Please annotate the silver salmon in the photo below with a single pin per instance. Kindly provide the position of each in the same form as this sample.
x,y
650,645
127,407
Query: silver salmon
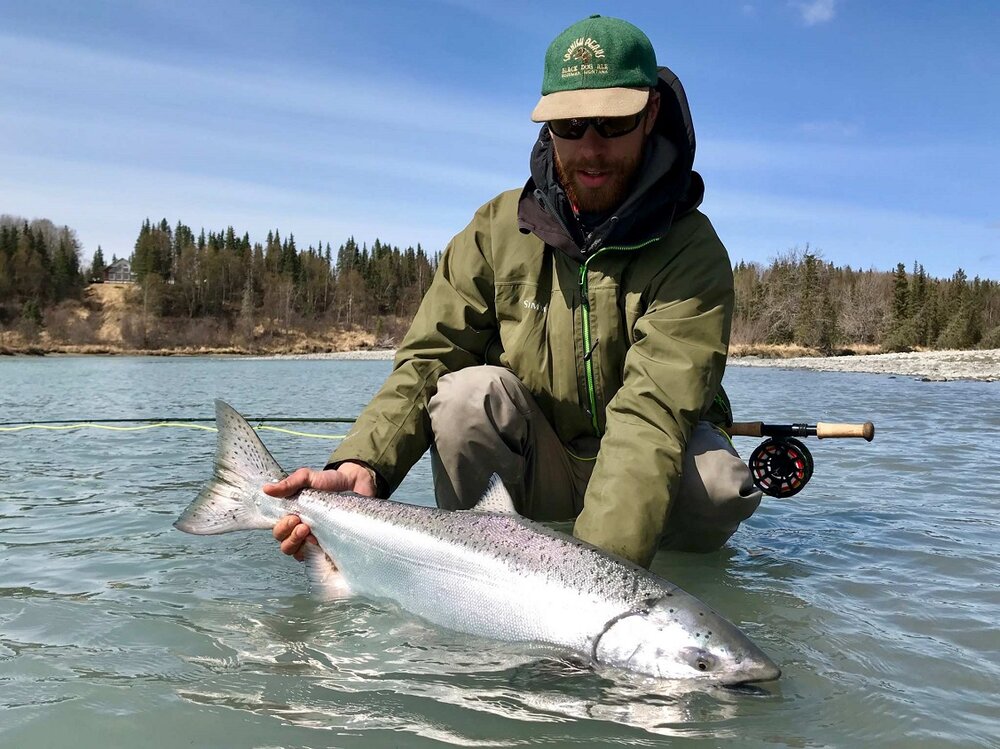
x,y
487,571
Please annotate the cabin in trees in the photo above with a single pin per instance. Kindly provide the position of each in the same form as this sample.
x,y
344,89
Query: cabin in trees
x,y
120,271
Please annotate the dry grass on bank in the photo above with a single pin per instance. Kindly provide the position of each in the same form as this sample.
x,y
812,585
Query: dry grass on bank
x,y
794,351
106,321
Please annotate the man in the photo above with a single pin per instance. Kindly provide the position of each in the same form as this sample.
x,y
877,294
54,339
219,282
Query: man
x,y
575,335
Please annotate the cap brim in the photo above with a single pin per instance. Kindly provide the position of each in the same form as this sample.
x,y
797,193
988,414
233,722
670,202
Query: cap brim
x,y
590,102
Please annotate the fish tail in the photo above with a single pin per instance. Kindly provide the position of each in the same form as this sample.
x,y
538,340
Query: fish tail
x,y
232,500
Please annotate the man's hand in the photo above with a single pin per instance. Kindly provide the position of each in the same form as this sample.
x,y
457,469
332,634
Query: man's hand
x,y
290,531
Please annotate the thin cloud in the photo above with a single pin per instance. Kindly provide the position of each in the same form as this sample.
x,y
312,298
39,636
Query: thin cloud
x,y
816,12
830,129
105,204
755,224
820,157
109,78
213,151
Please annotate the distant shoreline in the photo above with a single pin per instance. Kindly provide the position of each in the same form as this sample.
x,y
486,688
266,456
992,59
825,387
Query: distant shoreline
x,y
932,366
935,366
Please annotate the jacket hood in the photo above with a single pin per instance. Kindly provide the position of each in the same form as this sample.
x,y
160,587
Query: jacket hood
x,y
665,187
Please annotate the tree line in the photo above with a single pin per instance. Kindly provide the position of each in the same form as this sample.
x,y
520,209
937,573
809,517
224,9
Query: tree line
x,y
39,267
228,288
802,300
219,286
276,284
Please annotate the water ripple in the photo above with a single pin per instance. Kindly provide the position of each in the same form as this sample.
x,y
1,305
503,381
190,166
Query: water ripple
x,y
875,588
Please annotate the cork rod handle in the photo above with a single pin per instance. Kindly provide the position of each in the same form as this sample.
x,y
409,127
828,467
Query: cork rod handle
x,y
866,431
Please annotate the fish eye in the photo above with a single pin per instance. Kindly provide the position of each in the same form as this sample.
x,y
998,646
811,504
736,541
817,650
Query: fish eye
x,y
701,659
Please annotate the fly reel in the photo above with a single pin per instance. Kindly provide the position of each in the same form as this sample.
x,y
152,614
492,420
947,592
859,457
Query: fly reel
x,y
780,466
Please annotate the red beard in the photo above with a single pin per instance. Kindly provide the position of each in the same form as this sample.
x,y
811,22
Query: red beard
x,y
611,186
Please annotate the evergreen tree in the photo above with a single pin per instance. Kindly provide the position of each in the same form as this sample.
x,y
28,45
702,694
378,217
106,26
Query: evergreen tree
x,y
97,266
153,254
288,265
960,330
30,266
806,331
902,334
827,333
900,295
30,322
916,305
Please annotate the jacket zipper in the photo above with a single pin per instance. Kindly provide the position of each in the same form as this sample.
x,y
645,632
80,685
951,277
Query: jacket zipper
x,y
588,359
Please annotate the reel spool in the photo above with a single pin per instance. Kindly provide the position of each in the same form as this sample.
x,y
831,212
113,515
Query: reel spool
x,y
780,466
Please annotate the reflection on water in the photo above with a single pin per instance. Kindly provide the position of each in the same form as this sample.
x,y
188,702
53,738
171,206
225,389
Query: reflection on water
x,y
874,589
383,669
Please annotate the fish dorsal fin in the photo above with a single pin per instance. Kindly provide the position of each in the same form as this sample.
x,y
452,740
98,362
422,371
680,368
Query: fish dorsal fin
x,y
496,498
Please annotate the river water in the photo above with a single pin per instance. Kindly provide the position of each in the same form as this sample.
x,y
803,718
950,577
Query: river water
x,y
877,589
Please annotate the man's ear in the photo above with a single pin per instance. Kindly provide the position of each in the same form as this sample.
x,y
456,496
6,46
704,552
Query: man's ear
x,y
652,111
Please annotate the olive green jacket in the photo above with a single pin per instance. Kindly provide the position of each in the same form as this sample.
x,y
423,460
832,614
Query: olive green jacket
x,y
621,340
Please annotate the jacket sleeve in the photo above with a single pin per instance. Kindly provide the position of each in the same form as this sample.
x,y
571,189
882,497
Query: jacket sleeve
x,y
672,373
453,326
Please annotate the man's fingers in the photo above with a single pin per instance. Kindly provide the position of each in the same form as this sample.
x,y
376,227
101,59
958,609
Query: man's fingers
x,y
300,555
296,481
292,544
290,531
285,526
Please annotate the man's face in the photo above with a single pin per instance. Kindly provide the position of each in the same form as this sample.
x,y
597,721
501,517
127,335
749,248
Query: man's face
x,y
597,172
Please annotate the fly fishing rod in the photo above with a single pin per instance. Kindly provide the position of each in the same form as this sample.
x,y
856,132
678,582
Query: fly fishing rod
x,y
151,422
198,420
782,465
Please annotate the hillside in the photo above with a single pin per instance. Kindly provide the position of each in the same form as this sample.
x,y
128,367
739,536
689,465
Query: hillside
x,y
109,319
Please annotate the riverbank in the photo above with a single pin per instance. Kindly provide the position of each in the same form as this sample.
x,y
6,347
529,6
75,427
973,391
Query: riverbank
x,y
935,366
981,365
932,366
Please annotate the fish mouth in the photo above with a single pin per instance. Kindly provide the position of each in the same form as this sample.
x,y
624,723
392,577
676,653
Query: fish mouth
x,y
750,690
762,670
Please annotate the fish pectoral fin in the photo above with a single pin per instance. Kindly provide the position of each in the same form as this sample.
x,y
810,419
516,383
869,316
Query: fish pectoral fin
x,y
325,581
496,498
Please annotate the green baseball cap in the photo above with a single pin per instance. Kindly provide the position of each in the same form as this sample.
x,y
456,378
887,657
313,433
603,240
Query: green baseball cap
x,y
598,67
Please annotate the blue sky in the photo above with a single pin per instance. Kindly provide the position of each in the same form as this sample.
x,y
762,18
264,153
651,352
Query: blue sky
x,y
867,130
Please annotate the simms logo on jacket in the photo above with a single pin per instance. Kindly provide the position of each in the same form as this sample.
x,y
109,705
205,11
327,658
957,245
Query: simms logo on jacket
x,y
529,304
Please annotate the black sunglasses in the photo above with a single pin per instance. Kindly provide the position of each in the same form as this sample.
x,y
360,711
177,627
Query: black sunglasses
x,y
606,127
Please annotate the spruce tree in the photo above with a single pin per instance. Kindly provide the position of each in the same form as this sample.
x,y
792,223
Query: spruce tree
x,y
806,320
97,266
